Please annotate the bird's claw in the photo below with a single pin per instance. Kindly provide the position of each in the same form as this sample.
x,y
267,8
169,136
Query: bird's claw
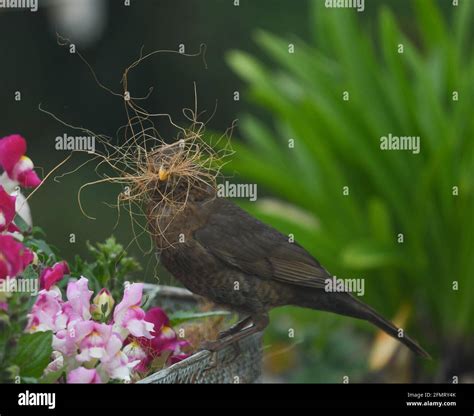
x,y
212,345
225,334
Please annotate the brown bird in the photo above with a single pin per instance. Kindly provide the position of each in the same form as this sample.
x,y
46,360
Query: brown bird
x,y
219,251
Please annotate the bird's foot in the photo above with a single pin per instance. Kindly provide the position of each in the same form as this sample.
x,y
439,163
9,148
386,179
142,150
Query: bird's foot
x,y
213,346
236,333
235,328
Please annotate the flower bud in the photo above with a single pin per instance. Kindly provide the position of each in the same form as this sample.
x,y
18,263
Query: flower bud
x,y
35,261
102,305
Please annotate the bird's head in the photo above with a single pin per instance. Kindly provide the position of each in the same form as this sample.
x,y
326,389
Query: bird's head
x,y
176,174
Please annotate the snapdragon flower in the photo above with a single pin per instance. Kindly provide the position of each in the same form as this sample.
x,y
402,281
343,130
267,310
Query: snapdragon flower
x,y
14,257
17,166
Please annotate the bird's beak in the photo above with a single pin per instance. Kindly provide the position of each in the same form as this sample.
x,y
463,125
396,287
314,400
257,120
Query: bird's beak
x,y
163,174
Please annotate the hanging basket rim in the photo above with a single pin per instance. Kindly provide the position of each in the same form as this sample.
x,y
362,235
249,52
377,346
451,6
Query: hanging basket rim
x,y
238,356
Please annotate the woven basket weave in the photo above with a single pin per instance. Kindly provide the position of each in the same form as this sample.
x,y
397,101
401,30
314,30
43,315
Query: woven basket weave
x,y
239,362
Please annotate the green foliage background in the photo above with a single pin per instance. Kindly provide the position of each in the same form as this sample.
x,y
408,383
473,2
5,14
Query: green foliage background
x,y
337,145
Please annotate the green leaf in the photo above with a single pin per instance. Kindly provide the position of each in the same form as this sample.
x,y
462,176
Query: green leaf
x,y
41,245
29,273
379,218
38,232
247,67
369,255
33,353
183,316
30,380
431,23
52,377
21,224
463,24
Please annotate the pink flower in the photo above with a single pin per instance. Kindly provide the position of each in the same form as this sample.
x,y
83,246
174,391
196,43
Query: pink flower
x,y
64,340
78,305
19,168
92,338
129,317
54,274
134,351
7,211
56,364
47,313
3,306
74,311
164,339
116,364
177,357
14,257
83,375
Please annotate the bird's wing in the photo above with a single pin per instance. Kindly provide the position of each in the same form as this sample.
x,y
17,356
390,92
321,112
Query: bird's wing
x,y
241,241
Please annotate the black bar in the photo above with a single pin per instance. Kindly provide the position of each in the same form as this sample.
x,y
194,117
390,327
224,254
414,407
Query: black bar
x,y
454,398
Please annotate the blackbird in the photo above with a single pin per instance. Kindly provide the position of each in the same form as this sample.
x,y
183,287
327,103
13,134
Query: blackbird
x,y
220,252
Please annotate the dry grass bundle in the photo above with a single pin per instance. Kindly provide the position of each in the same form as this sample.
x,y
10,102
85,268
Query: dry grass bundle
x,y
144,158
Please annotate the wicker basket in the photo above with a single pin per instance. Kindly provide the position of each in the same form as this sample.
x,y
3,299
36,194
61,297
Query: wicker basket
x,y
239,362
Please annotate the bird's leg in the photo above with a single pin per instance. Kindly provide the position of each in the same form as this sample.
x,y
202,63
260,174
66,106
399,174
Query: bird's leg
x,y
235,328
260,322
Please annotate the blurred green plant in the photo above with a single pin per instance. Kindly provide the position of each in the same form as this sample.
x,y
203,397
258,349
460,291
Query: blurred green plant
x,y
427,197
110,267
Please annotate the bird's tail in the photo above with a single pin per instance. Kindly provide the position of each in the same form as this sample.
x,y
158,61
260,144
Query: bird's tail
x,y
346,304
385,325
